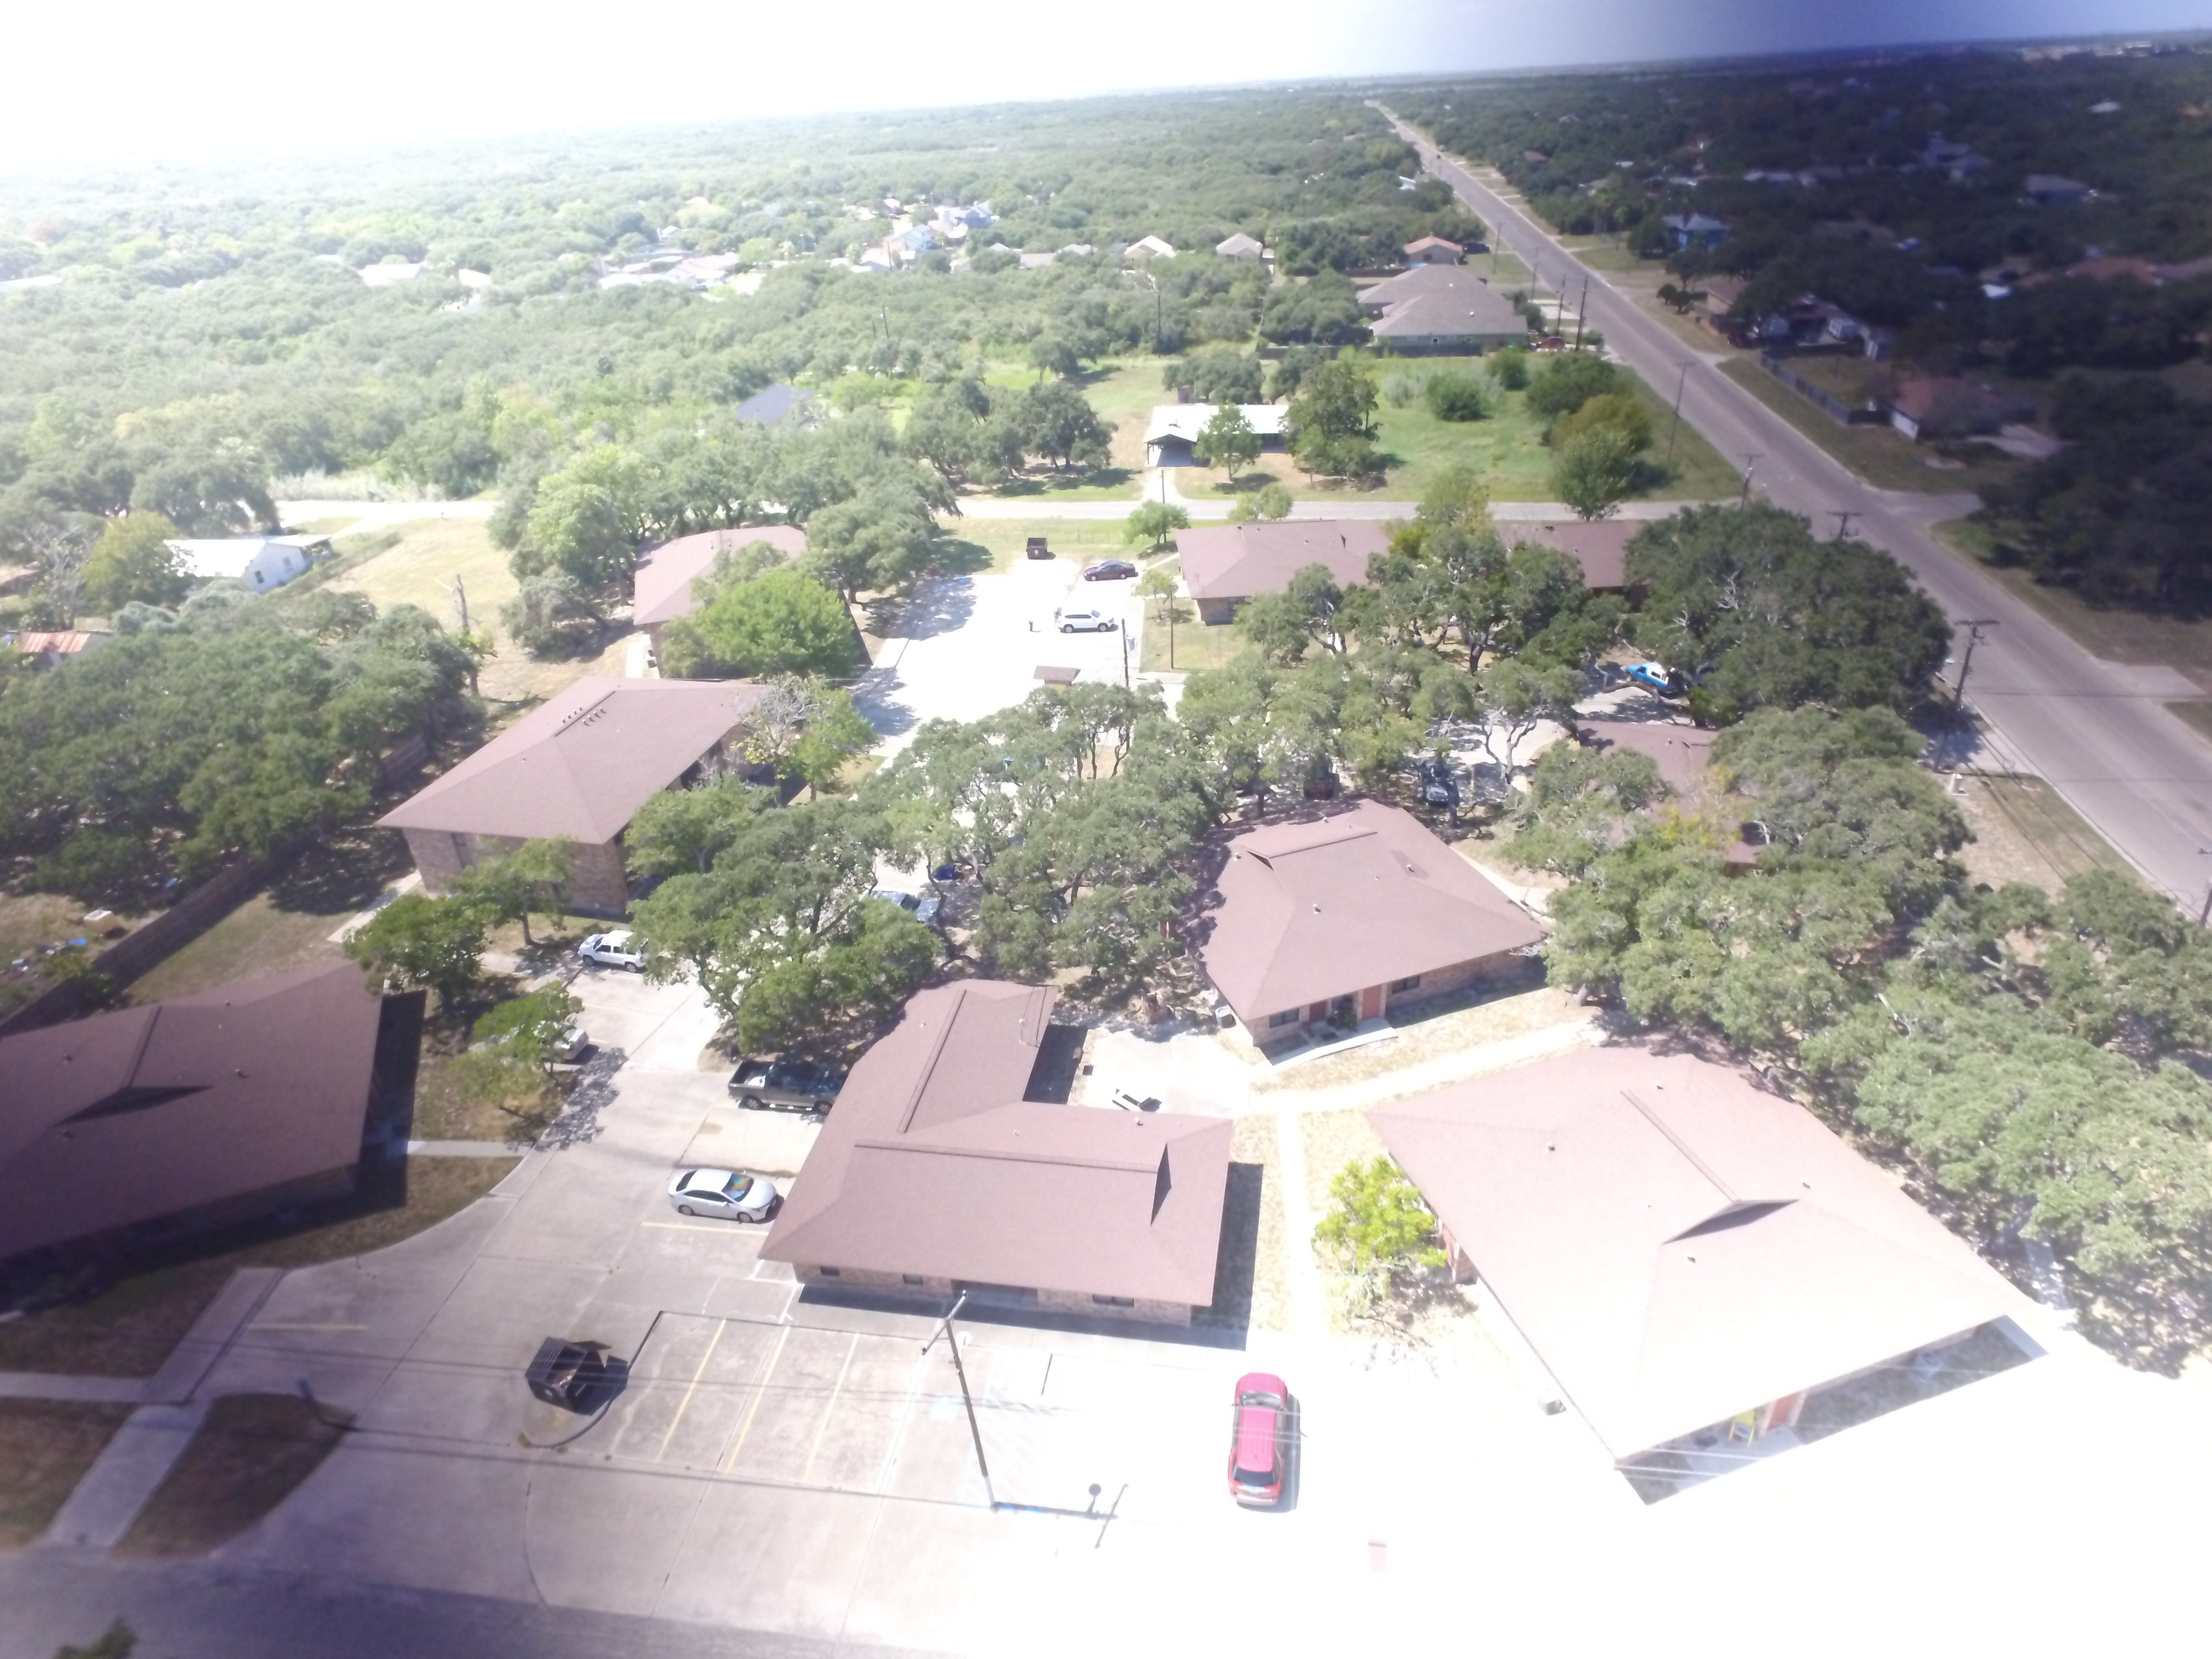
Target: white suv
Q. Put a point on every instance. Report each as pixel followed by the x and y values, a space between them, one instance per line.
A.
pixel 619 949
pixel 1092 621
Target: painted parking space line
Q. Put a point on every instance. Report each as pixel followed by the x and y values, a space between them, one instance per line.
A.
pixel 691 1388
pixel 732 1231
pixel 806 1474
pixel 752 1410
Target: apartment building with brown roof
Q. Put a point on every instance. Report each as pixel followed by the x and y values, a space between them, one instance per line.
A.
pixel 665 574
pixel 1687 1253
pixel 575 768
pixel 1342 915
pixel 1224 565
pixel 936 1175
pixel 199 1111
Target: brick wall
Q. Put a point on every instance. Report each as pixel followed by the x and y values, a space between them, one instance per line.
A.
pixel 599 886
pixel 942 1289
pixel 1140 1310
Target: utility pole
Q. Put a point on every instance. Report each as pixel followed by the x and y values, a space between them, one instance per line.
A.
pixel 960 1371
pixel 1681 381
pixel 1973 625
pixel 1751 458
pixel 1125 654
pixel 1843 516
pixel 461 601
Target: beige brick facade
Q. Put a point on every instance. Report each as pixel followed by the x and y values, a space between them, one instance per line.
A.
pixel 1137 1308
pixel 598 887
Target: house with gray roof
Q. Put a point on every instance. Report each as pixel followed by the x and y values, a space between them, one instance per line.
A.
pixel 1442 309
pixel 777 405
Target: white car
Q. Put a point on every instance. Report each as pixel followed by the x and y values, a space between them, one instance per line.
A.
pixel 1091 621
pixel 619 949
pixel 728 1193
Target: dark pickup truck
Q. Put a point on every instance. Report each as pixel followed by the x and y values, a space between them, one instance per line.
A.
pixel 790 1086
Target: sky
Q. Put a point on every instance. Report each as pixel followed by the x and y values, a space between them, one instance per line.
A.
pixel 129 83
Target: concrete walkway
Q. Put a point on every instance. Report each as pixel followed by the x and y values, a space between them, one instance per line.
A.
pixel 41 1385
pixel 463 1149
pixel 125 1476
pixel 135 1463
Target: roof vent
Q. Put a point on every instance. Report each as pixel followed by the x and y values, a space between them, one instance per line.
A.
pixel 1316 909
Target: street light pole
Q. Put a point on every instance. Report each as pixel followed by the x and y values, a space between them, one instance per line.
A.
pixel 1843 516
pixel 967 1399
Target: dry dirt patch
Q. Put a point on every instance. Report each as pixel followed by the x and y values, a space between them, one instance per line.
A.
pixel 249 1455
pixel 45 1447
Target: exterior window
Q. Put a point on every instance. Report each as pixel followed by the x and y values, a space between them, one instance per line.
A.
pixel 909 1278
pixel 1413 983
pixel 1288 1017
pixel 828 1273
pixel 1116 1301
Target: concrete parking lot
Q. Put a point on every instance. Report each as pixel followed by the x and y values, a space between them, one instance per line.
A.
pixel 968 646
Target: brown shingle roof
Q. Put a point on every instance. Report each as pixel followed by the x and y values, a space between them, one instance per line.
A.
pixel 125 1117
pixel 1236 560
pixel 580 766
pixel 933 1164
pixel 1601 548
pixel 1677 1245
pixel 1317 908
pixel 664 574
pixel 1684 753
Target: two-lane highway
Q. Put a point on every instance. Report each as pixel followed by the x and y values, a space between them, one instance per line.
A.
pixel 2097 731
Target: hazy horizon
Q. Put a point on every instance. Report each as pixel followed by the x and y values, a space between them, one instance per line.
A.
pixel 242 80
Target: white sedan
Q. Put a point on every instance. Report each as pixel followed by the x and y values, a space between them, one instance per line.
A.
pixel 724 1193
pixel 618 949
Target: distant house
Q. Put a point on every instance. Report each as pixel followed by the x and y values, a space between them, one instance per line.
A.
pixel 1151 247
pixel 1434 250
pixel 664 574
pixel 1241 246
pixel 392 272
pixel 1691 230
pixel 938 1174
pixel 1689 1256
pixel 1344 915
pixel 200 1111
pixel 47 648
pixel 1936 406
pixel 1174 428
pixel 575 768
pixel 1442 309
pixel 2049 190
pixel 1224 565
pixel 776 405
pixel 262 563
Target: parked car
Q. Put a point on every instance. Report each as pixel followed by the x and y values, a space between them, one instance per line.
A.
pixel 924 906
pixel 1657 677
pixel 1039 548
pixel 1321 786
pixel 1092 621
pixel 1111 570
pixel 1438 786
pixel 565 1373
pixel 1260 1440
pixel 617 949
pixel 727 1194
pixel 1550 343
pixel 787 1085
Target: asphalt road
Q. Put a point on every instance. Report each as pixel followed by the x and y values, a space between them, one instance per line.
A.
pixel 2097 731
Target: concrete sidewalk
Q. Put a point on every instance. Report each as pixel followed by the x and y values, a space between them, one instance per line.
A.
pixel 41 1385
pixel 118 1483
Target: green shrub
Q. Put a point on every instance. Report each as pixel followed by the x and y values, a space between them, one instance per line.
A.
pixel 1455 396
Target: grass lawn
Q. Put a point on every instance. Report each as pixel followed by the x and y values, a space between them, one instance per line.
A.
pixel 1252 1143
pixel 2024 832
pixel 1124 393
pixel 248 1456
pixel 1884 457
pixel 2115 635
pixel 1190 645
pixel 45 1447
pixel 998 544
pixel 288 924
pixel 1508 448
pixel 128 1328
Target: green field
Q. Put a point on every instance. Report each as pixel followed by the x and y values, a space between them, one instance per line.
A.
pixel 1508 448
